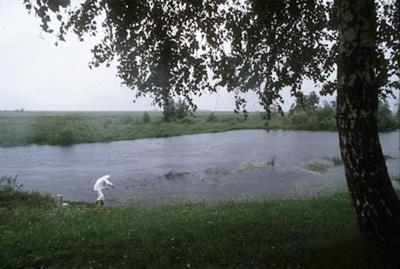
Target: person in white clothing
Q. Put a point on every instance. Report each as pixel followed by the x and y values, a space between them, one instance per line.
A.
pixel 99 186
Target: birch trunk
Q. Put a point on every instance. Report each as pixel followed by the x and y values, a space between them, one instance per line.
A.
pixel 374 198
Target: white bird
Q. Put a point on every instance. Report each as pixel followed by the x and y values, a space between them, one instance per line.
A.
pixel 100 185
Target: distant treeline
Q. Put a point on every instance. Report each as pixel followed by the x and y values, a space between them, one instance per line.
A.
pixel 63 128
pixel 323 118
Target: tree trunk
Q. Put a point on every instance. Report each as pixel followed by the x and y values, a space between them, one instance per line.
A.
pixel 166 106
pixel 374 198
pixel 163 77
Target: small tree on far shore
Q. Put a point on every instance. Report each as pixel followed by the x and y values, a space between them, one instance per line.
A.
pixel 146 117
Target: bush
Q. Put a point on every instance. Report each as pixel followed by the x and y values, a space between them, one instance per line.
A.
pixel 186 121
pixel 182 110
pixel 322 118
pixel 211 118
pixel 309 102
pixel 386 119
pixel 327 124
pixel 146 117
pixel 299 118
pixel 10 182
pixel 263 115
pixel 312 123
pixel 11 198
pixel 65 137
pixel 56 130
pixel 176 110
pixel 325 113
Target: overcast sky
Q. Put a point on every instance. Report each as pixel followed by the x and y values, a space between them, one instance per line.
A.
pixel 37 75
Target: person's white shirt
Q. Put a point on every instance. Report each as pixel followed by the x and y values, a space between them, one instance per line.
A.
pixel 100 184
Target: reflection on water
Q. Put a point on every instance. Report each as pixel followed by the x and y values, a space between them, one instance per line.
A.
pixel 203 166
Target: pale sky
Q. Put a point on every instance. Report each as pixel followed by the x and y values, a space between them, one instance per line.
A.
pixel 37 75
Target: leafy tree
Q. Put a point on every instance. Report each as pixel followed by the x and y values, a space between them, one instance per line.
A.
pixel 177 110
pixel 326 112
pixel 157 44
pixel 398 114
pixel 181 109
pixel 278 44
pixel 386 119
pixel 299 118
pixel 360 78
pixel 263 46
pixel 310 101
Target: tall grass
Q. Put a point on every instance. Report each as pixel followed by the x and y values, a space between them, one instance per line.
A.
pixel 10 181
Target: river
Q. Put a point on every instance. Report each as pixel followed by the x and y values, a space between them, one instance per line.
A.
pixel 210 166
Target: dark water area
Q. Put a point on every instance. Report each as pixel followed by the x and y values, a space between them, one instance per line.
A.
pixel 211 167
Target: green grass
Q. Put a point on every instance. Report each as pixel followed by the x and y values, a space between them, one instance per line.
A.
pixel 320 232
pixel 318 167
pixel 389 157
pixel 252 165
pixel 395 178
pixel 66 128
pixel 336 161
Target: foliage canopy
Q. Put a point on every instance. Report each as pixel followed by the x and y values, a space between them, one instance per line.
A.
pixel 183 48
pixel 158 46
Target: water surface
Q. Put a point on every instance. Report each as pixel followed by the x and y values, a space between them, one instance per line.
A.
pixel 208 166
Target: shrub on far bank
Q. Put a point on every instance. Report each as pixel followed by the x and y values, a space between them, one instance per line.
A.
pixel 65 137
pixel 323 118
pixel 176 110
pixel 299 118
pixel 146 117
pixel 212 118
pixel 56 130
pixel 387 121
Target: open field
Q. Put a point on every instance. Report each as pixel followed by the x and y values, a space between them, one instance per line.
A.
pixel 65 128
pixel 318 232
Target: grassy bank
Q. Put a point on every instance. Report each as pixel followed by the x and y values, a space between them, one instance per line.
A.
pixel 21 128
pixel 314 233
pixel 65 128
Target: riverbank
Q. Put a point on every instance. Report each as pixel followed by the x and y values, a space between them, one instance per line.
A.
pixel 66 128
pixel 319 232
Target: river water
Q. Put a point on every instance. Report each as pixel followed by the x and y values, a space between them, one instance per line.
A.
pixel 211 166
